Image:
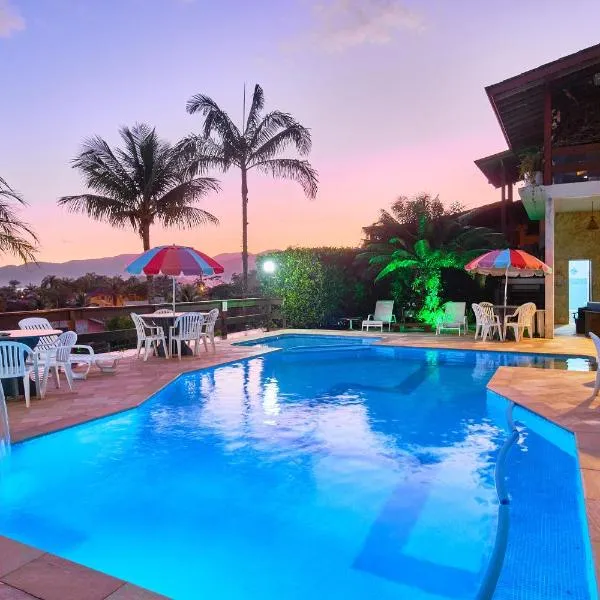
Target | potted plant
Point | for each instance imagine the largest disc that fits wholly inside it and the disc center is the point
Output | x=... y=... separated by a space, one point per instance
x=531 y=167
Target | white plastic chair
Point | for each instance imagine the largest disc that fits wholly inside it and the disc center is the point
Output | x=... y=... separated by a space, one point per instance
x=19 y=360
x=48 y=343
x=596 y=341
x=208 y=331
x=383 y=314
x=187 y=328
x=487 y=323
x=453 y=318
x=148 y=336
x=59 y=357
x=484 y=311
x=522 y=319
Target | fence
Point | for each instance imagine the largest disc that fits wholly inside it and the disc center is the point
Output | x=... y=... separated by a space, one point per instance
x=235 y=314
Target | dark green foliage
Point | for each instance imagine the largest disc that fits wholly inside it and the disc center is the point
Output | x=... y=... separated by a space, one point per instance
x=318 y=285
x=117 y=323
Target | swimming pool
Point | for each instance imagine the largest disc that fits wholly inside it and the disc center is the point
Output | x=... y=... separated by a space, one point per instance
x=351 y=473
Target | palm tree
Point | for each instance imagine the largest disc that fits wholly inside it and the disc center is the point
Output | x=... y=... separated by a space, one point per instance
x=16 y=236
x=145 y=182
x=259 y=146
x=441 y=244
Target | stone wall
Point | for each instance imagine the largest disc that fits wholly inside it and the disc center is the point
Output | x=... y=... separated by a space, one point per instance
x=572 y=241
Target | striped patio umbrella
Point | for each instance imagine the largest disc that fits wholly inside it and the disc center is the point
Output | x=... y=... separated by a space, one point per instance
x=174 y=261
x=508 y=263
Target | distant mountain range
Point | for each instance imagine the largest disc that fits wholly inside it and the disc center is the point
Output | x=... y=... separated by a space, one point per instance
x=32 y=274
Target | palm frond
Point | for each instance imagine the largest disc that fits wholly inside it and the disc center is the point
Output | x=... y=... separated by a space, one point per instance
x=295 y=134
x=215 y=119
x=258 y=103
x=197 y=155
x=185 y=194
x=102 y=170
x=8 y=193
x=186 y=217
x=294 y=169
x=269 y=126
x=395 y=265
x=16 y=236
x=100 y=208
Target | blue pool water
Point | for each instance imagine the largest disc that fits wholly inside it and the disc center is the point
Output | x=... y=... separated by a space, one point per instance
x=364 y=473
x=290 y=341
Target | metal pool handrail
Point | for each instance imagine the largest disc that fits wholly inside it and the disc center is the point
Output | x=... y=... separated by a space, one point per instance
x=492 y=574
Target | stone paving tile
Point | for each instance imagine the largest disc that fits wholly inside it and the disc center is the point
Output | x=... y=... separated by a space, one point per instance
x=132 y=592
x=11 y=593
x=13 y=555
x=52 y=578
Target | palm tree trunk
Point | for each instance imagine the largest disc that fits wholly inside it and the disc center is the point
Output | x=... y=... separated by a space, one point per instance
x=145 y=235
x=244 y=231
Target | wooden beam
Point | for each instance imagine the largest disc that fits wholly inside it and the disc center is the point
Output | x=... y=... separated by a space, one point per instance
x=547 y=136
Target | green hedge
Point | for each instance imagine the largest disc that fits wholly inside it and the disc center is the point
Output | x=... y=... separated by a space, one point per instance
x=318 y=285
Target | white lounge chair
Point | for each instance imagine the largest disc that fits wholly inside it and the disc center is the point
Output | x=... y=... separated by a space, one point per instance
x=521 y=320
x=453 y=318
x=164 y=311
x=383 y=314
x=486 y=321
x=19 y=360
x=46 y=343
x=148 y=336
x=187 y=328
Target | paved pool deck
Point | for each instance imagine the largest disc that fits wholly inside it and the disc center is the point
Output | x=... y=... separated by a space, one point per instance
x=560 y=396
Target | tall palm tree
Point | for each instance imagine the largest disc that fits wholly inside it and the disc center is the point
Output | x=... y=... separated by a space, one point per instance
x=16 y=236
x=145 y=182
x=258 y=146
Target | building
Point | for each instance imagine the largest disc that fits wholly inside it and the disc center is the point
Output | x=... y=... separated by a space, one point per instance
x=550 y=118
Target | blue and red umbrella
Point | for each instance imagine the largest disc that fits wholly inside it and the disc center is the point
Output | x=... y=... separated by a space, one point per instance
x=508 y=263
x=174 y=261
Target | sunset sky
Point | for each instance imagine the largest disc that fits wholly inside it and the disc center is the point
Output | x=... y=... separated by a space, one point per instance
x=391 y=89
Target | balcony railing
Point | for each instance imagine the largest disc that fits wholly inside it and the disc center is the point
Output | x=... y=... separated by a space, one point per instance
x=571 y=164
x=234 y=315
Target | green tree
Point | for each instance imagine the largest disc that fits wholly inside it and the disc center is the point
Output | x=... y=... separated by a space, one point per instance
x=259 y=146
x=188 y=293
x=145 y=182
x=16 y=236
x=404 y=215
x=441 y=244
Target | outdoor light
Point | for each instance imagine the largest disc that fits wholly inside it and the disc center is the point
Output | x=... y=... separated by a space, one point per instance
x=269 y=266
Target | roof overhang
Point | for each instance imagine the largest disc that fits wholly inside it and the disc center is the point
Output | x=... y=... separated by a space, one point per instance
x=501 y=168
x=518 y=102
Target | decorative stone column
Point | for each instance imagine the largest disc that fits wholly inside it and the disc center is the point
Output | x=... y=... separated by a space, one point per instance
x=549 y=260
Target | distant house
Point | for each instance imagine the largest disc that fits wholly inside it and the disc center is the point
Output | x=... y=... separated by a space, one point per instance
x=102 y=298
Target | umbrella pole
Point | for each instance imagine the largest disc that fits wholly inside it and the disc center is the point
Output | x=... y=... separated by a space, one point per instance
x=173 y=295
x=505 y=288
